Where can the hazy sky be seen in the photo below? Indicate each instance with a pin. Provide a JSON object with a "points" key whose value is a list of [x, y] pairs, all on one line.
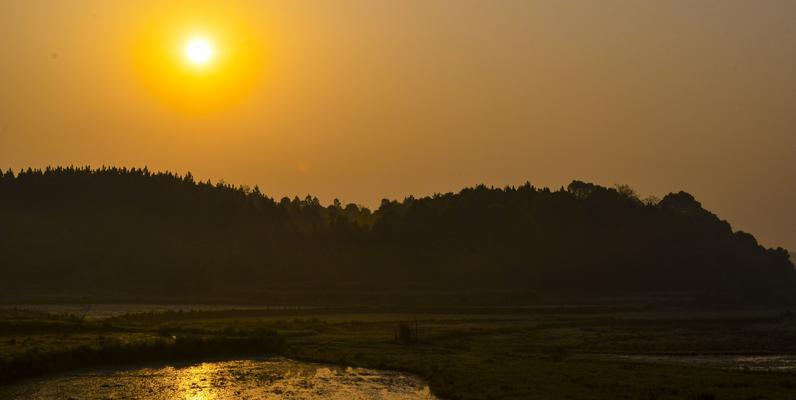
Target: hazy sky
{"points": [[362, 100]]}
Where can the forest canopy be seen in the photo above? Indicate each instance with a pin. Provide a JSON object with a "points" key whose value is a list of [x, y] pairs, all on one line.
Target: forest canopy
{"points": [[133, 233]]}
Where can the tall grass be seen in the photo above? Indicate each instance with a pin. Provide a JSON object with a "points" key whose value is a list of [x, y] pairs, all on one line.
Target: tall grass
{"points": [[113, 352]]}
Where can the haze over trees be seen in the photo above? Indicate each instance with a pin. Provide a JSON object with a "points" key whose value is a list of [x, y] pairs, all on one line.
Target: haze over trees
{"points": [[135, 234]]}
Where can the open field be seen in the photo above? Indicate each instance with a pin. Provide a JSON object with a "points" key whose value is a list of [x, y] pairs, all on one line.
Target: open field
{"points": [[577, 353]]}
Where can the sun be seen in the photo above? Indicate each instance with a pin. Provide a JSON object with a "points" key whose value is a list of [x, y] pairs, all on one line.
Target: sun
{"points": [[200, 60], [199, 51]]}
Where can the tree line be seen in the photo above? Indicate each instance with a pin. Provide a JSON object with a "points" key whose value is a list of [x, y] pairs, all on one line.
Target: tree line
{"points": [[134, 233]]}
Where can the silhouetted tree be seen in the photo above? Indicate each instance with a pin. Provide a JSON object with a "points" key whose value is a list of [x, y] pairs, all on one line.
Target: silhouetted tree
{"points": [[133, 232]]}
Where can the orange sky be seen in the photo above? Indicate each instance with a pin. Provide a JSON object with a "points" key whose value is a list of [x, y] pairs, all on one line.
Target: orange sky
{"points": [[368, 99]]}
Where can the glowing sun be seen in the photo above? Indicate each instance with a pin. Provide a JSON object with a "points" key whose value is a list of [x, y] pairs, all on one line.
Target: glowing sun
{"points": [[201, 60], [199, 51]]}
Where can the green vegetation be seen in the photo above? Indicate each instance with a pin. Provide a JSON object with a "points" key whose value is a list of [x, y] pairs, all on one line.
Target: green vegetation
{"points": [[119, 234], [37, 343], [515, 354], [495, 263]]}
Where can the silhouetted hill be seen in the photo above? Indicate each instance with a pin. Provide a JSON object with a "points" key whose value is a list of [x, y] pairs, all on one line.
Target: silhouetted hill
{"points": [[134, 234]]}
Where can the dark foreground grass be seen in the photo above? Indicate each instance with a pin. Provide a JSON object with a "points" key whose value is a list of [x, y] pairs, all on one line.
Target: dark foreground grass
{"points": [[462, 356], [113, 351], [505, 362]]}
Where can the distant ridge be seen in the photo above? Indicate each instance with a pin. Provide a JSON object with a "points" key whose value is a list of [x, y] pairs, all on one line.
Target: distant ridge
{"points": [[136, 234]]}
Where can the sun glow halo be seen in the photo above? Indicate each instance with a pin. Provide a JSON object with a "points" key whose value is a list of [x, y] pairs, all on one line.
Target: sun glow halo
{"points": [[199, 51], [201, 60]]}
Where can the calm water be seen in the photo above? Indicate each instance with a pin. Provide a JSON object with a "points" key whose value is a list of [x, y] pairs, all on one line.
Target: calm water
{"points": [[112, 310], [781, 362], [241, 379]]}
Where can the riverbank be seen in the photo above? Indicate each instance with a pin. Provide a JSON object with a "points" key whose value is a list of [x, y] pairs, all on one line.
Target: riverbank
{"points": [[511, 355], [111, 351]]}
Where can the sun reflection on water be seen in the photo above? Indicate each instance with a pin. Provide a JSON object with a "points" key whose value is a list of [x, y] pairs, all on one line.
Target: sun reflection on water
{"points": [[266, 379], [196, 382]]}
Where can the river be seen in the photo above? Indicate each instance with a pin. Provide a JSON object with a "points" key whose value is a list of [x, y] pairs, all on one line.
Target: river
{"points": [[274, 378]]}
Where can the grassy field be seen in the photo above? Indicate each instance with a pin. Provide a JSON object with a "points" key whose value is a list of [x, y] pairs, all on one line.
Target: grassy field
{"points": [[568, 353]]}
